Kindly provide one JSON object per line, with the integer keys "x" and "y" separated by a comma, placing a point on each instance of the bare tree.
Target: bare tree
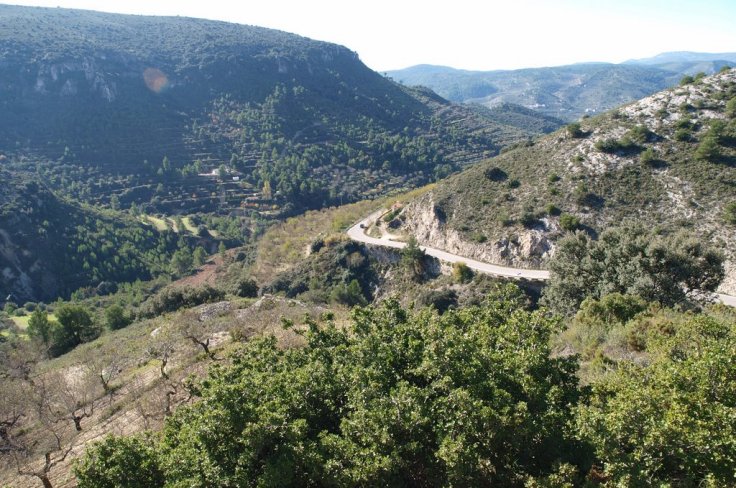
{"x": 107, "y": 367}
{"x": 193, "y": 328}
{"x": 53, "y": 444}
{"x": 13, "y": 407}
{"x": 162, "y": 350}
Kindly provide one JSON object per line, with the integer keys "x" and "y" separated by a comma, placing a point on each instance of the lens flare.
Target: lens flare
{"x": 155, "y": 79}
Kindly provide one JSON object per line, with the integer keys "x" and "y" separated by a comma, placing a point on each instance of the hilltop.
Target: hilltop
{"x": 566, "y": 92}
{"x": 665, "y": 161}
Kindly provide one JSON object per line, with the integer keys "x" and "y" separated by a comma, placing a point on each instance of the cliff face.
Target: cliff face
{"x": 524, "y": 248}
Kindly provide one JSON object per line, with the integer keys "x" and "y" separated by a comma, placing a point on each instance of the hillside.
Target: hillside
{"x": 50, "y": 247}
{"x": 138, "y": 102}
{"x": 666, "y": 160}
{"x": 565, "y": 92}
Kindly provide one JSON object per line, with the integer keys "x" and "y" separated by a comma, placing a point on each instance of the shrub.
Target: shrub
{"x": 731, "y": 108}
{"x": 495, "y": 174}
{"x": 708, "y": 150}
{"x": 574, "y": 130}
{"x": 569, "y": 222}
{"x": 120, "y": 461}
{"x": 648, "y": 157}
{"x": 349, "y": 294}
{"x": 683, "y": 135}
{"x": 246, "y": 288}
{"x": 553, "y": 210}
{"x": 441, "y": 300}
{"x": 461, "y": 273}
{"x": 729, "y": 213}
{"x": 116, "y": 318}
{"x": 640, "y": 134}
{"x": 75, "y": 326}
{"x": 553, "y": 178}
{"x": 514, "y": 184}
{"x": 10, "y": 307}
{"x": 686, "y": 80}
{"x": 528, "y": 219}
{"x": 173, "y": 298}
{"x": 612, "y": 146}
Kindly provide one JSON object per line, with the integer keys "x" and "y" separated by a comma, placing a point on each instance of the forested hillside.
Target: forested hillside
{"x": 142, "y": 101}
{"x": 50, "y": 246}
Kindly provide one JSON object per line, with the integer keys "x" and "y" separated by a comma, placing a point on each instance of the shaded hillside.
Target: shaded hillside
{"x": 667, "y": 160}
{"x": 160, "y": 100}
{"x": 50, "y": 247}
{"x": 565, "y": 92}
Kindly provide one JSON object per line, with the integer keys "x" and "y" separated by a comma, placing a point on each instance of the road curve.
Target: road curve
{"x": 357, "y": 233}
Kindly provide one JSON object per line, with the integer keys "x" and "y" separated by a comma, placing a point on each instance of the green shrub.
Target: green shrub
{"x": 495, "y": 174}
{"x": 461, "y": 273}
{"x": 74, "y": 326}
{"x": 731, "y": 108}
{"x": 246, "y": 288}
{"x": 574, "y": 130}
{"x": 686, "y": 80}
{"x": 173, "y": 298}
{"x": 683, "y": 135}
{"x": 708, "y": 150}
{"x": 116, "y": 318}
{"x": 441, "y": 300}
{"x": 569, "y": 222}
{"x": 729, "y": 213}
{"x": 648, "y": 157}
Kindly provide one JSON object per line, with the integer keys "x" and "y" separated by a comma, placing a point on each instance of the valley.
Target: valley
{"x": 235, "y": 256}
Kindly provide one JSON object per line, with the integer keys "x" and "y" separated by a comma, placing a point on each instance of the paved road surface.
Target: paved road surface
{"x": 357, "y": 233}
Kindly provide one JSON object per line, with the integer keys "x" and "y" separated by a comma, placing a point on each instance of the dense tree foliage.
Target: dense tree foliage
{"x": 63, "y": 246}
{"x": 669, "y": 422}
{"x": 120, "y": 462}
{"x": 75, "y": 326}
{"x": 631, "y": 260}
{"x": 399, "y": 399}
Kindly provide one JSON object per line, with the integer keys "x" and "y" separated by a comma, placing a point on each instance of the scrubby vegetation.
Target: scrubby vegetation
{"x": 381, "y": 394}
{"x": 634, "y": 162}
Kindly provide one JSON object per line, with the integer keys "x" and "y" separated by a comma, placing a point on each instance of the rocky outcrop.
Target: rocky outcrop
{"x": 525, "y": 248}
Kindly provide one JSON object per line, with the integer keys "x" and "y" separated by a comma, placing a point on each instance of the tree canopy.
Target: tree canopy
{"x": 401, "y": 399}
{"x": 631, "y": 260}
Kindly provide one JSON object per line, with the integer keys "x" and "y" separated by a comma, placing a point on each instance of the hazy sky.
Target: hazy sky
{"x": 471, "y": 34}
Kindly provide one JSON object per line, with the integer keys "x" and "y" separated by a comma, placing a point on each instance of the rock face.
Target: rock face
{"x": 527, "y": 248}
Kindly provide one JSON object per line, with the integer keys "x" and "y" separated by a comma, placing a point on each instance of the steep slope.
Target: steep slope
{"x": 666, "y": 160}
{"x": 50, "y": 247}
{"x": 160, "y": 100}
{"x": 565, "y": 92}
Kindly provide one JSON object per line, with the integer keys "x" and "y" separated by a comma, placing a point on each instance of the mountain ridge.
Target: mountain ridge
{"x": 568, "y": 91}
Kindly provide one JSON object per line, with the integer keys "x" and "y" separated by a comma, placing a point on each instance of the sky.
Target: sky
{"x": 470, "y": 34}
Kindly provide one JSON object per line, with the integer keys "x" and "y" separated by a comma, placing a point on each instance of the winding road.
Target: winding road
{"x": 357, "y": 233}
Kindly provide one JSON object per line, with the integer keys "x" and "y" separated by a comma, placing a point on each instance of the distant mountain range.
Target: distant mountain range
{"x": 565, "y": 92}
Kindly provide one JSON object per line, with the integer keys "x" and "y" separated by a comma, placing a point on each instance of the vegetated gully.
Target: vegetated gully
{"x": 357, "y": 233}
